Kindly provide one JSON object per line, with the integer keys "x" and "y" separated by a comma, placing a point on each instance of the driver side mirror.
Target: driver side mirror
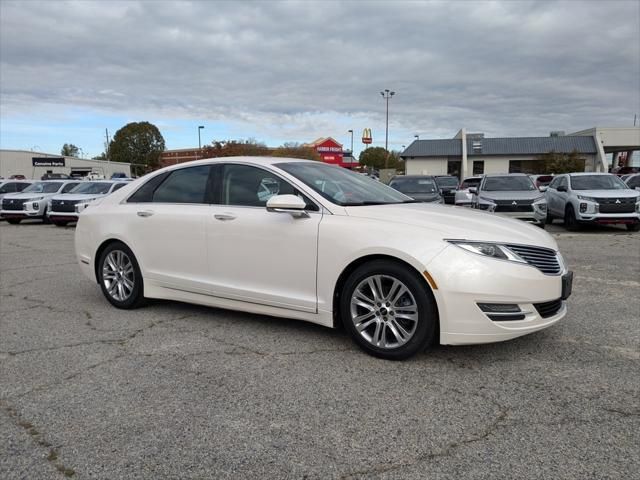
{"x": 562, "y": 188}
{"x": 291, "y": 204}
{"x": 473, "y": 190}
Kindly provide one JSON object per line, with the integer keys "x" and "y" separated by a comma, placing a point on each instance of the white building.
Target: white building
{"x": 36, "y": 164}
{"x": 473, "y": 154}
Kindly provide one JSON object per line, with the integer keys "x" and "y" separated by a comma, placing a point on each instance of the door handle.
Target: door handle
{"x": 145, "y": 213}
{"x": 224, "y": 216}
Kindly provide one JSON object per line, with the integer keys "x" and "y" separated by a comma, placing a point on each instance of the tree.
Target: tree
{"x": 295, "y": 150}
{"x": 556, "y": 163}
{"x": 102, "y": 156}
{"x": 69, "y": 150}
{"x": 137, "y": 143}
{"x": 376, "y": 157}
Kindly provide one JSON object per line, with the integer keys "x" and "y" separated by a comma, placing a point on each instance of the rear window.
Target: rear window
{"x": 415, "y": 185}
{"x": 470, "y": 182}
{"x": 447, "y": 181}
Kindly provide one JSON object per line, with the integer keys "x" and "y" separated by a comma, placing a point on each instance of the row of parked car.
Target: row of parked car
{"x": 56, "y": 201}
{"x": 577, "y": 198}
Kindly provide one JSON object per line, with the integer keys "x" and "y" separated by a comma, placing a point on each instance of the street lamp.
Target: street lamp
{"x": 199, "y": 142}
{"x": 351, "y": 132}
{"x": 387, "y": 95}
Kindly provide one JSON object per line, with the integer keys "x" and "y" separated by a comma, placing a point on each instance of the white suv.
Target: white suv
{"x": 603, "y": 198}
{"x": 66, "y": 208}
{"x": 32, "y": 201}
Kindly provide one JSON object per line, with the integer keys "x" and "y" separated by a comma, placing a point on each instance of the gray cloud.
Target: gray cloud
{"x": 301, "y": 69}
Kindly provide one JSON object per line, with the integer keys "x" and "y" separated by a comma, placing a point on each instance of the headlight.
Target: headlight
{"x": 540, "y": 204}
{"x": 35, "y": 199}
{"x": 493, "y": 250}
{"x": 588, "y": 199}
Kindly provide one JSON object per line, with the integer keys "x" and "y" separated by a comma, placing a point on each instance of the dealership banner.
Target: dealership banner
{"x": 48, "y": 161}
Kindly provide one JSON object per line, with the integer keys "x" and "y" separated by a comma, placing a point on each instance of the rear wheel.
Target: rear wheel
{"x": 14, "y": 221}
{"x": 570, "y": 221}
{"x": 119, "y": 276}
{"x": 388, "y": 310}
{"x": 633, "y": 227}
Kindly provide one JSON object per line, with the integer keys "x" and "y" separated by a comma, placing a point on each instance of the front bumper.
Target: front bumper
{"x": 608, "y": 218}
{"x": 465, "y": 280}
{"x": 63, "y": 216}
{"x": 533, "y": 216}
{"x": 28, "y": 212}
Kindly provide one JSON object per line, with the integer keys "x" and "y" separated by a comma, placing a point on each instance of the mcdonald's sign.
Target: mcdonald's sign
{"x": 366, "y": 136}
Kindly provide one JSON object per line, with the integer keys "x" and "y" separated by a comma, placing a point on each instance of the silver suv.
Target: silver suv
{"x": 511, "y": 195}
{"x": 32, "y": 201}
{"x": 603, "y": 198}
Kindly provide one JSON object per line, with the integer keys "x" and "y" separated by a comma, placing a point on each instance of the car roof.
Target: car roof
{"x": 507, "y": 175}
{"x": 399, "y": 177}
{"x": 580, "y": 174}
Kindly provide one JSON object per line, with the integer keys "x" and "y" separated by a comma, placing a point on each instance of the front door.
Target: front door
{"x": 258, "y": 256}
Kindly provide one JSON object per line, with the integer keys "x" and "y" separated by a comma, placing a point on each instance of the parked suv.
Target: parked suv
{"x": 464, "y": 197}
{"x": 511, "y": 195}
{"x": 32, "y": 201}
{"x": 419, "y": 187}
{"x": 66, "y": 208}
{"x": 13, "y": 186}
{"x": 633, "y": 181}
{"x": 603, "y": 198}
{"x": 448, "y": 185}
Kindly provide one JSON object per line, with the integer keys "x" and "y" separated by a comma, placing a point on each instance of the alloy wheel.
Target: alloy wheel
{"x": 384, "y": 311}
{"x": 118, "y": 275}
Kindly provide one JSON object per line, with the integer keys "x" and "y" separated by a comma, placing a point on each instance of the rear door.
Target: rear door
{"x": 165, "y": 222}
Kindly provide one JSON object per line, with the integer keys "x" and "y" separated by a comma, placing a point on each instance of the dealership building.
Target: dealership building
{"x": 36, "y": 164}
{"x": 468, "y": 154}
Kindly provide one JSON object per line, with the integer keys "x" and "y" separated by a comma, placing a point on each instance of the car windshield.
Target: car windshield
{"x": 508, "y": 184}
{"x": 92, "y": 188}
{"x": 447, "y": 181}
{"x": 43, "y": 187}
{"x": 414, "y": 185}
{"x": 597, "y": 182}
{"x": 343, "y": 187}
{"x": 471, "y": 182}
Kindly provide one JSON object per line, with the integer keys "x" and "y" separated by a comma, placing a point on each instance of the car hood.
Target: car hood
{"x": 424, "y": 197}
{"x": 25, "y": 196}
{"x": 513, "y": 195}
{"x": 457, "y": 223}
{"x": 77, "y": 196}
{"x": 607, "y": 193}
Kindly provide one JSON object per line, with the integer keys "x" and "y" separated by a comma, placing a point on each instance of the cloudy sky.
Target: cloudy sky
{"x": 294, "y": 71}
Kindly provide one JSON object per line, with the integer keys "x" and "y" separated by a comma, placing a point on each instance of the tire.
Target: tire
{"x": 60, "y": 223}
{"x": 549, "y": 220}
{"x": 118, "y": 265}
{"x": 541, "y": 225}
{"x": 45, "y": 218}
{"x": 570, "y": 222}
{"x": 14, "y": 221}
{"x": 388, "y": 329}
{"x": 633, "y": 227}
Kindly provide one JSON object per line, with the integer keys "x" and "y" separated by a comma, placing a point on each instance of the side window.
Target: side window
{"x": 117, "y": 187}
{"x": 563, "y": 182}
{"x": 21, "y": 186}
{"x": 145, "y": 192}
{"x": 247, "y": 186}
{"x": 69, "y": 186}
{"x": 554, "y": 183}
{"x": 187, "y": 185}
{"x": 7, "y": 188}
{"x": 634, "y": 182}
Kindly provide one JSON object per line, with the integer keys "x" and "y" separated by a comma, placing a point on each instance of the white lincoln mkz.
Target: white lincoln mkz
{"x": 314, "y": 242}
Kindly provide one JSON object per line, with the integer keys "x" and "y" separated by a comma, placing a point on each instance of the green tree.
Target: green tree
{"x": 295, "y": 150}
{"x": 235, "y": 148}
{"x": 376, "y": 157}
{"x": 556, "y": 163}
{"x": 69, "y": 150}
{"x": 102, "y": 156}
{"x": 139, "y": 143}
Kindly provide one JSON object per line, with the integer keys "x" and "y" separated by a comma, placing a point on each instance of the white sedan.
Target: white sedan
{"x": 397, "y": 274}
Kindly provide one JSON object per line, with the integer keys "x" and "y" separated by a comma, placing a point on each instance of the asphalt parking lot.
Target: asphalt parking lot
{"x": 181, "y": 391}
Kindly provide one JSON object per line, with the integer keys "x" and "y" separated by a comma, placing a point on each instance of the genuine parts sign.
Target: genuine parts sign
{"x": 48, "y": 161}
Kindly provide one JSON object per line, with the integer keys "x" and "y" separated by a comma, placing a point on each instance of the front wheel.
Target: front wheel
{"x": 119, "y": 276}
{"x": 14, "y": 221}
{"x": 570, "y": 221}
{"x": 633, "y": 227}
{"x": 60, "y": 223}
{"x": 388, "y": 310}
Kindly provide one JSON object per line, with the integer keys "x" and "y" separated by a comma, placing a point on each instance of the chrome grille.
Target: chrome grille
{"x": 616, "y": 205}
{"x": 63, "y": 205}
{"x": 544, "y": 259}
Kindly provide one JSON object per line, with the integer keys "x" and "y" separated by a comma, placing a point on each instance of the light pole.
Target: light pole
{"x": 199, "y": 142}
{"x": 351, "y": 132}
{"x": 387, "y": 95}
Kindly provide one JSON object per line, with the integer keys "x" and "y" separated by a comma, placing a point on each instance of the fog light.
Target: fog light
{"x": 502, "y": 312}
{"x": 583, "y": 207}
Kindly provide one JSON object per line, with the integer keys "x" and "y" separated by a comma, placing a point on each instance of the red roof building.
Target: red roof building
{"x": 329, "y": 150}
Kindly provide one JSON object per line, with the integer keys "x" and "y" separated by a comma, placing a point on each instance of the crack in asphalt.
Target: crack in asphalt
{"x": 38, "y": 437}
